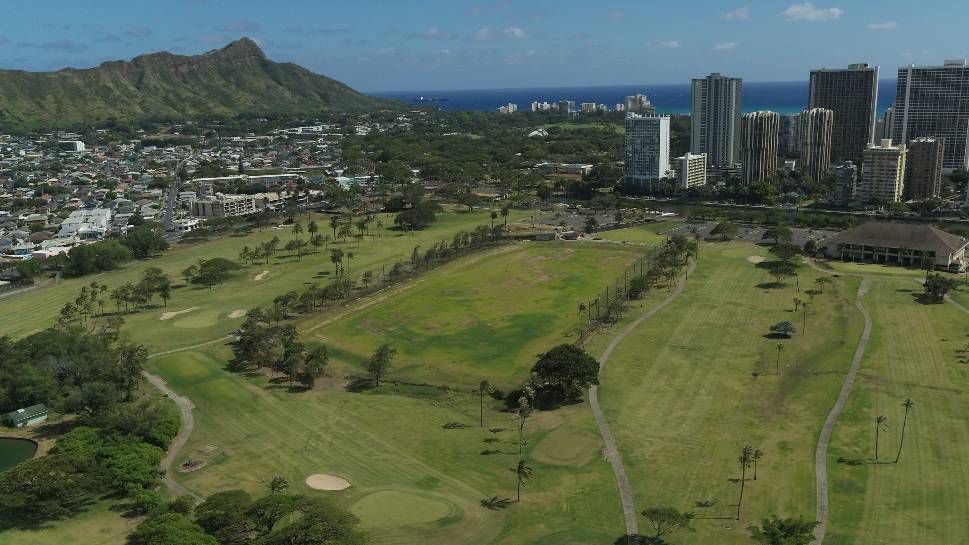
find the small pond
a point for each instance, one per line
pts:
(13, 451)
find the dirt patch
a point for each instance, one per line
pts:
(322, 481)
(755, 259)
(238, 313)
(261, 275)
(199, 459)
(170, 315)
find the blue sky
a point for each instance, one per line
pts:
(454, 44)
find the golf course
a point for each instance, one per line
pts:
(696, 375)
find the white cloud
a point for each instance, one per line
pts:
(739, 14)
(668, 44)
(432, 33)
(887, 25)
(809, 12)
(488, 35)
(726, 46)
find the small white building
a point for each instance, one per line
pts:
(86, 224)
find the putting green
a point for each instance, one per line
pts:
(565, 446)
(393, 509)
(198, 320)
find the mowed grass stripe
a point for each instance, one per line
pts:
(924, 498)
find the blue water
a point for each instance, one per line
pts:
(781, 97)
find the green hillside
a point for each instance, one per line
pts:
(237, 79)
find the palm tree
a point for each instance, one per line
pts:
(524, 473)
(504, 214)
(745, 458)
(349, 257)
(908, 404)
(880, 426)
(312, 228)
(756, 457)
(334, 224)
(777, 364)
(297, 229)
(482, 388)
(494, 216)
(524, 411)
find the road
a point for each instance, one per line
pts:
(630, 515)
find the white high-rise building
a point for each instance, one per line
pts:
(817, 127)
(647, 150)
(691, 170)
(882, 177)
(933, 101)
(758, 149)
(715, 123)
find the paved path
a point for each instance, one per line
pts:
(821, 454)
(957, 305)
(612, 452)
(185, 406)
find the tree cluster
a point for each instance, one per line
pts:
(234, 517)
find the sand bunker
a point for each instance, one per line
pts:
(755, 259)
(322, 481)
(170, 315)
(261, 275)
(238, 313)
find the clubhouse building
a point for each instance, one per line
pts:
(903, 244)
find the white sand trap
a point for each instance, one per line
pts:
(322, 481)
(755, 259)
(170, 315)
(238, 313)
(261, 275)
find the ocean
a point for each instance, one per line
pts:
(781, 97)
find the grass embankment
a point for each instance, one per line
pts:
(650, 233)
(682, 397)
(209, 310)
(925, 497)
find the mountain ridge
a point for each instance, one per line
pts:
(227, 82)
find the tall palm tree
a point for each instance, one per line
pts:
(504, 214)
(334, 224)
(484, 387)
(908, 404)
(349, 257)
(297, 230)
(494, 216)
(777, 364)
(757, 456)
(880, 426)
(524, 473)
(745, 459)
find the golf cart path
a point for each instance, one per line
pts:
(185, 406)
(611, 451)
(824, 440)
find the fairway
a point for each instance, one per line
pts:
(481, 318)
(688, 388)
(393, 447)
(925, 497)
(215, 311)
